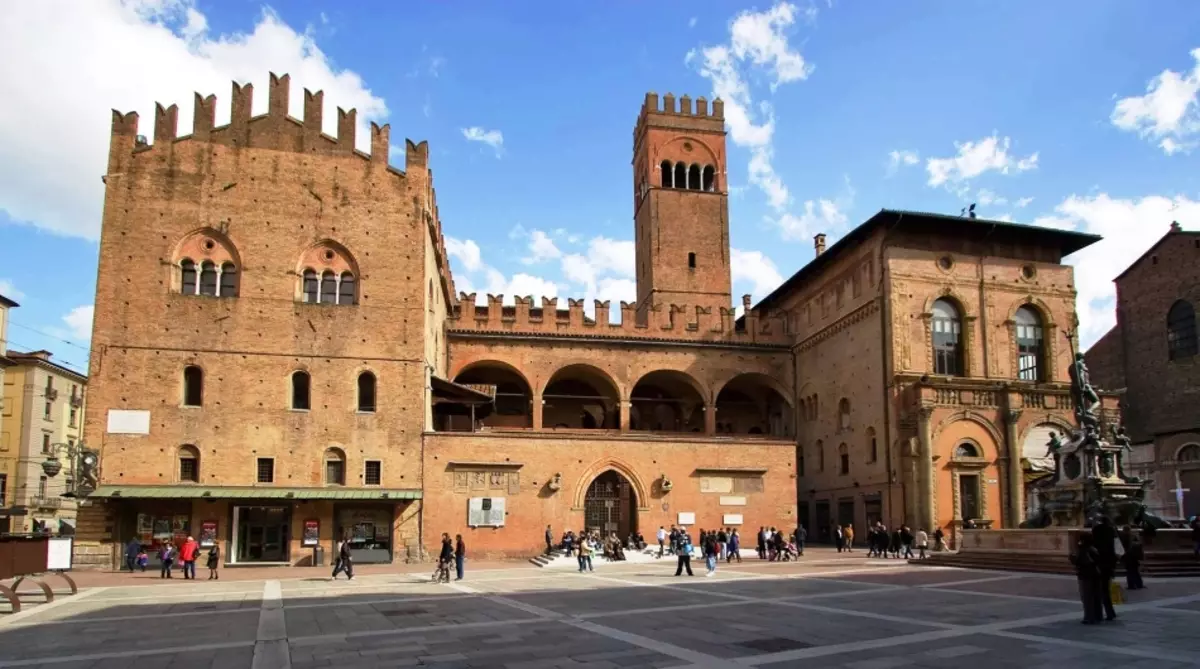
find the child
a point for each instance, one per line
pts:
(214, 559)
(143, 560)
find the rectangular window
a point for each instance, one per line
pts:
(947, 334)
(968, 494)
(188, 471)
(49, 410)
(74, 416)
(335, 472)
(45, 443)
(3, 489)
(42, 487)
(266, 470)
(845, 463)
(373, 473)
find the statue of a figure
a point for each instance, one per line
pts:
(1052, 449)
(1086, 400)
(1122, 439)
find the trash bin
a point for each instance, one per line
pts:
(318, 556)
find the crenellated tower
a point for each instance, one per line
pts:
(681, 203)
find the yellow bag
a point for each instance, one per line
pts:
(1116, 593)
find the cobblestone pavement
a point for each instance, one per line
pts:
(825, 611)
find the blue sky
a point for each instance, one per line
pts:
(1081, 115)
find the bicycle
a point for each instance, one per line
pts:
(441, 573)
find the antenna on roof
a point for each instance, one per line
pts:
(962, 212)
(971, 211)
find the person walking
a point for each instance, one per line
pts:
(922, 541)
(345, 563)
(131, 553)
(801, 539)
(587, 547)
(722, 541)
(683, 548)
(1089, 576)
(735, 547)
(662, 540)
(214, 562)
(166, 554)
(762, 543)
(1104, 537)
(711, 545)
(188, 553)
(549, 540)
(906, 541)
(460, 556)
(848, 538)
(839, 539)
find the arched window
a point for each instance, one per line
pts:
(680, 180)
(229, 280)
(966, 450)
(193, 386)
(1181, 331)
(335, 467)
(187, 277)
(366, 392)
(208, 279)
(843, 460)
(189, 464)
(328, 288)
(710, 178)
(301, 391)
(665, 172)
(1029, 345)
(844, 414)
(694, 177)
(947, 339)
(820, 455)
(346, 291)
(312, 287)
(1189, 453)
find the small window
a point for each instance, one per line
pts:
(694, 177)
(189, 464)
(680, 179)
(947, 339)
(691, 261)
(873, 453)
(820, 456)
(335, 467)
(49, 411)
(187, 277)
(1181, 331)
(229, 280)
(665, 170)
(843, 460)
(373, 472)
(366, 392)
(312, 287)
(844, 414)
(328, 288)
(301, 400)
(966, 450)
(193, 386)
(266, 470)
(45, 443)
(42, 482)
(710, 178)
(346, 293)
(1029, 344)
(208, 279)
(1189, 453)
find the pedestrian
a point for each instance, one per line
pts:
(143, 560)
(906, 541)
(922, 541)
(710, 544)
(848, 538)
(1088, 574)
(1195, 525)
(188, 553)
(839, 539)
(1135, 552)
(214, 561)
(549, 540)
(662, 540)
(460, 556)
(939, 540)
(131, 552)
(344, 563)
(1104, 538)
(801, 538)
(722, 540)
(735, 547)
(683, 548)
(586, 549)
(166, 554)
(762, 543)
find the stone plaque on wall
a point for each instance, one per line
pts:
(716, 484)
(733, 501)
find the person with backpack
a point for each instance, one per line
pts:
(683, 548)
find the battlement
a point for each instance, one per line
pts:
(676, 321)
(682, 114)
(273, 130)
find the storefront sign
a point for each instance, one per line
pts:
(208, 533)
(312, 533)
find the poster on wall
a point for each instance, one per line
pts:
(162, 528)
(208, 533)
(179, 524)
(145, 525)
(312, 533)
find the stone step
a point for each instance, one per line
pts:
(1052, 565)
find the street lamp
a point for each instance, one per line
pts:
(83, 463)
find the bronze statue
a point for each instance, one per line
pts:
(1052, 449)
(1122, 439)
(1087, 402)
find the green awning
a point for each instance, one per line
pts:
(239, 492)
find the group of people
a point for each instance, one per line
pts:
(898, 543)
(773, 546)
(185, 555)
(451, 553)
(1095, 559)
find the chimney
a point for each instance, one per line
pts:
(819, 243)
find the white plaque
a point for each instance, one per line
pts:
(58, 553)
(686, 518)
(485, 512)
(732, 519)
(124, 421)
(733, 501)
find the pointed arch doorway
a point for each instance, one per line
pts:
(610, 505)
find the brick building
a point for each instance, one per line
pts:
(1151, 357)
(296, 364)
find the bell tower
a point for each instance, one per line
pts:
(681, 203)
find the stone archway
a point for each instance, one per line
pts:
(610, 505)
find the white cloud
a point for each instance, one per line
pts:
(9, 289)
(493, 138)
(818, 216)
(541, 248)
(757, 44)
(976, 158)
(692, 22)
(1169, 111)
(79, 322)
(901, 157)
(617, 256)
(756, 269)
(1024, 202)
(466, 252)
(986, 198)
(78, 58)
(1129, 227)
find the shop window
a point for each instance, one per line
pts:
(266, 470)
(373, 472)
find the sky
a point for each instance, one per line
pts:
(1077, 114)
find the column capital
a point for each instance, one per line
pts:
(925, 411)
(1012, 417)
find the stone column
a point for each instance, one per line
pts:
(1016, 473)
(537, 411)
(710, 419)
(928, 478)
(626, 405)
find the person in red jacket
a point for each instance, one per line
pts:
(188, 553)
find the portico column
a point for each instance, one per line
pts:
(1016, 473)
(710, 419)
(928, 480)
(537, 411)
(626, 405)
